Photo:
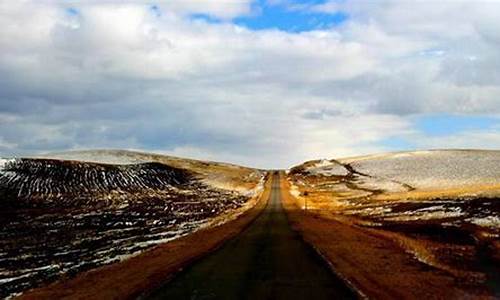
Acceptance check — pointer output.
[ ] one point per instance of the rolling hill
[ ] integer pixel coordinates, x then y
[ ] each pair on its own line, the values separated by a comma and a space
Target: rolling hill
65, 213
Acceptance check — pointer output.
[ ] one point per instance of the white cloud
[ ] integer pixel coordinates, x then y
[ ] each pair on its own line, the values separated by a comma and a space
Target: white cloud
125, 76
224, 9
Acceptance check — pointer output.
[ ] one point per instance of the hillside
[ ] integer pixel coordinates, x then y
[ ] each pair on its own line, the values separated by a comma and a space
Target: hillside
65, 213
440, 206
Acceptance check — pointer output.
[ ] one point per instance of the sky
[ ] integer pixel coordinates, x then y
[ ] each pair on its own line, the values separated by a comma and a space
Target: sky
266, 83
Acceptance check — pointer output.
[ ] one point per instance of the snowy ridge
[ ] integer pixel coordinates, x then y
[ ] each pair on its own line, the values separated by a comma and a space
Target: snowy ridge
327, 168
430, 169
4, 163
54, 179
408, 171
114, 157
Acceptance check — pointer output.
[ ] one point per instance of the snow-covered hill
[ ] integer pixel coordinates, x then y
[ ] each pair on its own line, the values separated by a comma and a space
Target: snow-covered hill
433, 169
442, 206
413, 171
44, 182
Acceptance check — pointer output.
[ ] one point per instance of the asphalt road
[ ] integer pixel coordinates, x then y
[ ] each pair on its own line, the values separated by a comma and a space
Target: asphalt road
268, 260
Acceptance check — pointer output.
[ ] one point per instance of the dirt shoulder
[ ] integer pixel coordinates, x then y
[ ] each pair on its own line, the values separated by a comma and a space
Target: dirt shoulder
131, 278
372, 263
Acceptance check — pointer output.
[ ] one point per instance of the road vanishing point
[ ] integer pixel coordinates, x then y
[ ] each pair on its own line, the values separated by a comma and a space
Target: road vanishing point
268, 260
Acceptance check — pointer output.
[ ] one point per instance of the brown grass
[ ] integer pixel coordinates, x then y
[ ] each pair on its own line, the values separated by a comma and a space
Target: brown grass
439, 192
373, 263
138, 275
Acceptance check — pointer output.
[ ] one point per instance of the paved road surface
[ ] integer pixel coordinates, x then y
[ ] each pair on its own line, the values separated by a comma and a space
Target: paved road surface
268, 260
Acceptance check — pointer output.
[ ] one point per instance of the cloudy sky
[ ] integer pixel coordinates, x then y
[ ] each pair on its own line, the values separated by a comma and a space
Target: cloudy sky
266, 83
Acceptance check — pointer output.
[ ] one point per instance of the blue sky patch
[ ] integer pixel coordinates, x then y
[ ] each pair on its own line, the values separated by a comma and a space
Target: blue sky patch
205, 18
284, 18
397, 144
72, 11
441, 125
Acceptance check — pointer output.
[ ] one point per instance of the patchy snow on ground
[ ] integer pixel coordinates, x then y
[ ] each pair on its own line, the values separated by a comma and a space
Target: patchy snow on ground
114, 157
257, 189
443, 207
222, 182
369, 211
375, 183
426, 213
327, 168
294, 190
99, 207
420, 215
488, 221
431, 169
4, 162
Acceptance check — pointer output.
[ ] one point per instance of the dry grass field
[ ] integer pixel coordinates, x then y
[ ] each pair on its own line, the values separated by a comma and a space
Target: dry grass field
440, 207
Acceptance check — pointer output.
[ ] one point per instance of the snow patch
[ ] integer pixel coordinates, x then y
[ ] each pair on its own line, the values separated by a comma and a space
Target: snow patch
4, 162
427, 215
434, 169
370, 211
374, 183
28, 273
489, 221
327, 168
294, 190
223, 183
97, 156
323, 163
257, 189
